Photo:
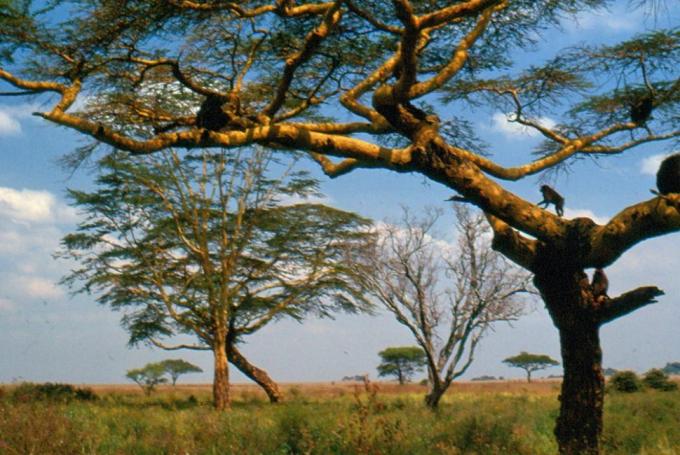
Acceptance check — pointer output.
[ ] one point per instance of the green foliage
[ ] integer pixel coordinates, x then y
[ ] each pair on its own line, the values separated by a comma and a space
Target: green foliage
402, 362
531, 362
659, 380
52, 392
177, 367
153, 222
149, 376
625, 381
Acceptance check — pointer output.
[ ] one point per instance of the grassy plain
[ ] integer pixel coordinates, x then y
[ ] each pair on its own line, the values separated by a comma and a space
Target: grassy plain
505, 417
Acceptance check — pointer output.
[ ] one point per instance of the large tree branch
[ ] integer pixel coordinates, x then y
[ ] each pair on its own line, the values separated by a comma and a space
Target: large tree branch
652, 218
627, 303
513, 245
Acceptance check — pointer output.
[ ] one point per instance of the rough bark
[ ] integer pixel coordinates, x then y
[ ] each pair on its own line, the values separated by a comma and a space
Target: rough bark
221, 395
567, 295
259, 376
435, 395
579, 424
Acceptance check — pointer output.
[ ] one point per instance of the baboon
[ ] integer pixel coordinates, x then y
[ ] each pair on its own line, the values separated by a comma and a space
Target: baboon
600, 284
550, 196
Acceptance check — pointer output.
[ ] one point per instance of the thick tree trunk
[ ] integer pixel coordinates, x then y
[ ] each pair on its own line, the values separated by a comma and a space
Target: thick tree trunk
529, 376
579, 424
221, 396
569, 300
435, 395
256, 374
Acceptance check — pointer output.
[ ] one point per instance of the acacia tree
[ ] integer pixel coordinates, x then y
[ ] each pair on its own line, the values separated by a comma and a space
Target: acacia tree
531, 362
204, 245
447, 297
148, 377
283, 73
177, 367
402, 362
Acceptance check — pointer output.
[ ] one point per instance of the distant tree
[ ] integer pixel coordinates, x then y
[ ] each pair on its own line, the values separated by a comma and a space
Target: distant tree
402, 362
447, 297
148, 377
672, 368
531, 362
177, 367
659, 380
625, 381
214, 244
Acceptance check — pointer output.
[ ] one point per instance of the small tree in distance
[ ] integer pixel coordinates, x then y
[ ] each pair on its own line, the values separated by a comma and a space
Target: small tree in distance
148, 377
402, 362
177, 367
531, 362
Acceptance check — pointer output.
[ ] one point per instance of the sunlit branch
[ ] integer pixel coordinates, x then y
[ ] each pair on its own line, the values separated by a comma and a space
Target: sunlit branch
459, 56
452, 12
652, 218
335, 169
350, 98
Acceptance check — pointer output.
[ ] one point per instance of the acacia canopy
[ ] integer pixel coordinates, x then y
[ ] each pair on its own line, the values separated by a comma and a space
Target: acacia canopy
213, 246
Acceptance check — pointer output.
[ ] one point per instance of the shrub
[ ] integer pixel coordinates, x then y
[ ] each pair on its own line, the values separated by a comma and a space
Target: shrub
625, 381
657, 379
52, 392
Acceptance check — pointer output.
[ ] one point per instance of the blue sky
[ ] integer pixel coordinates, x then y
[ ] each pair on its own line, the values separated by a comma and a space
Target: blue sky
48, 336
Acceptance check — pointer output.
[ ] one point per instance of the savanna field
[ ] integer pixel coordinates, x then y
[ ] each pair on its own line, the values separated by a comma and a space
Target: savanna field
504, 417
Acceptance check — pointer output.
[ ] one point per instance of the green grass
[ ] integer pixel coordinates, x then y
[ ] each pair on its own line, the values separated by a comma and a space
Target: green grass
366, 423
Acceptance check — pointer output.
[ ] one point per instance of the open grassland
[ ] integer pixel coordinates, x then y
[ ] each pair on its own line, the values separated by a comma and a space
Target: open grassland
475, 418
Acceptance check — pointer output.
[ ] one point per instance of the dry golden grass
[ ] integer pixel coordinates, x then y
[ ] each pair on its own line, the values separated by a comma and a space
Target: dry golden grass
324, 390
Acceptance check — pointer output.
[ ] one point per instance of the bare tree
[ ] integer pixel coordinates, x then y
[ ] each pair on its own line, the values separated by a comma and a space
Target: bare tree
447, 297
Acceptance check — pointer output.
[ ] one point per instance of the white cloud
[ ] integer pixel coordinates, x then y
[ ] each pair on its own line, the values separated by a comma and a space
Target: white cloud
612, 21
8, 125
10, 115
502, 124
26, 205
34, 206
650, 165
38, 287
